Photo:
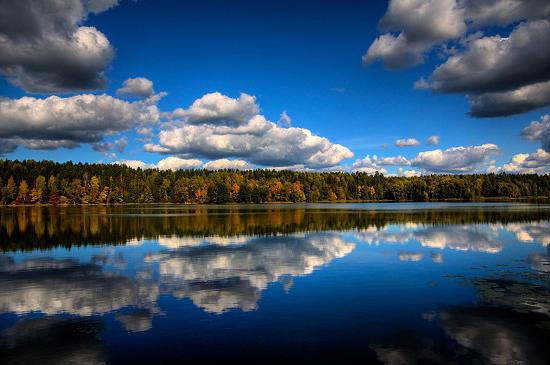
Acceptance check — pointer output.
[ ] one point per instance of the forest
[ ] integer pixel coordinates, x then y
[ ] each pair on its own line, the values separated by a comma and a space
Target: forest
47, 182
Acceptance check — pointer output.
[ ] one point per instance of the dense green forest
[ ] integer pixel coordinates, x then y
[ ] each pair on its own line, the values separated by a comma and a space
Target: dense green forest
47, 182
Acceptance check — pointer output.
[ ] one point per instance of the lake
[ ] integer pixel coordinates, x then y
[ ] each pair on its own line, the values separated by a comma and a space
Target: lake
395, 283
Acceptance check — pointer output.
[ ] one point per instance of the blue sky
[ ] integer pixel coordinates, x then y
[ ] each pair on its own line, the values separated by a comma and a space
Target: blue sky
304, 58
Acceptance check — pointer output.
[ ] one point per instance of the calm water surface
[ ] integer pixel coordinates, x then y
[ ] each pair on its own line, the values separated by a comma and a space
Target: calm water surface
326, 283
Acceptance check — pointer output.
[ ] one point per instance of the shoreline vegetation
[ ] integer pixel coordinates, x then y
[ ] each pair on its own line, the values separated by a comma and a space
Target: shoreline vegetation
30, 182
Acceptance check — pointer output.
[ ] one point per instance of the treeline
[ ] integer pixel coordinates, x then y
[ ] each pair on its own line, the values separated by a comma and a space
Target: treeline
47, 182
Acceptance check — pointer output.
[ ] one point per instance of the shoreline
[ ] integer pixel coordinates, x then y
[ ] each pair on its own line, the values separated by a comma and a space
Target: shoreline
477, 200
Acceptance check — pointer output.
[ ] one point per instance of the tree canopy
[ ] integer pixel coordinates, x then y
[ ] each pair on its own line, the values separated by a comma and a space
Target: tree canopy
47, 182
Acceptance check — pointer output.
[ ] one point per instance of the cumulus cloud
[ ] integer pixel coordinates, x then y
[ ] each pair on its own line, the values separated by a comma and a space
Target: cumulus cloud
421, 25
452, 160
505, 103
407, 173
501, 74
492, 64
407, 142
504, 12
139, 86
169, 163
218, 109
43, 48
224, 163
432, 140
176, 163
217, 126
455, 159
55, 122
539, 131
537, 162
368, 165
393, 161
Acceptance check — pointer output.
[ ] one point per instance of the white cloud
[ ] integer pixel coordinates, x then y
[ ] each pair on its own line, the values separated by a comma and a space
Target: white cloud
524, 163
422, 24
176, 163
139, 86
170, 163
393, 161
43, 48
407, 173
135, 164
285, 120
368, 165
216, 108
455, 159
216, 126
224, 163
61, 122
407, 142
539, 131
432, 140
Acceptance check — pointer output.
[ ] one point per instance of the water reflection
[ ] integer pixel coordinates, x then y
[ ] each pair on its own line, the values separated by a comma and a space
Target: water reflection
218, 278
53, 286
304, 278
475, 237
28, 228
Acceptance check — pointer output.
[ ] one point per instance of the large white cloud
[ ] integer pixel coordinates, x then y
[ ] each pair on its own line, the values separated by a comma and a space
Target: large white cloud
43, 48
452, 160
176, 163
217, 126
54, 121
455, 159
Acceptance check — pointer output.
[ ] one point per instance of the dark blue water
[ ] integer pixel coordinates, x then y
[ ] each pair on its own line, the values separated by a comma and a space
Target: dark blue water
338, 283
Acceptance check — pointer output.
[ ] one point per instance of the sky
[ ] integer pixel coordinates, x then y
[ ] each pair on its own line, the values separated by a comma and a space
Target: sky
404, 87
